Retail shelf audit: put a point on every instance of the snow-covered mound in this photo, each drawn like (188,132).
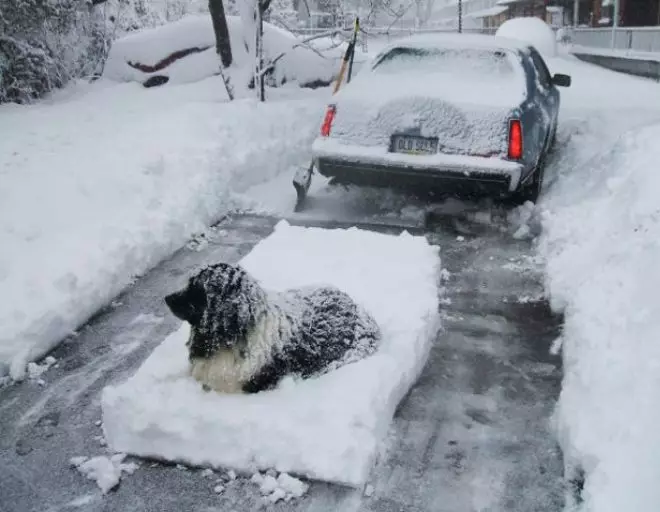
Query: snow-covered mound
(195,33)
(326,428)
(99,187)
(602,244)
(532,30)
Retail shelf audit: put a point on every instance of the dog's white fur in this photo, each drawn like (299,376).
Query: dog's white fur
(227,370)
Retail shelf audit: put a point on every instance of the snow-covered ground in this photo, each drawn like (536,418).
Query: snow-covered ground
(327,428)
(601,226)
(102,181)
(602,242)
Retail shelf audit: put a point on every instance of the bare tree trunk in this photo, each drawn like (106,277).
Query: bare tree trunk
(260,79)
(222,44)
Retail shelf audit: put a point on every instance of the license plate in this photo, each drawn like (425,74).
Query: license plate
(413,145)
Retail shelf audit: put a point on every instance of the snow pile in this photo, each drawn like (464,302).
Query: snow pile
(326,428)
(105,471)
(93,194)
(150,46)
(602,244)
(531,30)
(285,487)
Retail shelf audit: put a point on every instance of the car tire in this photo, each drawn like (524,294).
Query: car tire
(531,190)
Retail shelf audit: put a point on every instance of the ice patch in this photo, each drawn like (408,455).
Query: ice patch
(327,428)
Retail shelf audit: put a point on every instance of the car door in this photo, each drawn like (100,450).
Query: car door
(548,96)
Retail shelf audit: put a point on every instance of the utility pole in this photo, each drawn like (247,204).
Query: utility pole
(460,16)
(615,23)
(576,13)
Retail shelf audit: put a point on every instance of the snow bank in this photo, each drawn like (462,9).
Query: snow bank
(326,428)
(98,189)
(532,30)
(150,46)
(602,244)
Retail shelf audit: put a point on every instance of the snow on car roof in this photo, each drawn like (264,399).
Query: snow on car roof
(455,40)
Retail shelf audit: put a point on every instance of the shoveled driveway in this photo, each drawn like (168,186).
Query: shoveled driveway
(472,435)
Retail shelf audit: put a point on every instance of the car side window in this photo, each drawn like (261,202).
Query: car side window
(541,69)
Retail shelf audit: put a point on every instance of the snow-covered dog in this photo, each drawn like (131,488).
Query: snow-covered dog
(246,339)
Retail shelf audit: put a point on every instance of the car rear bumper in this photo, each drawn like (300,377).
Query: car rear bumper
(375,166)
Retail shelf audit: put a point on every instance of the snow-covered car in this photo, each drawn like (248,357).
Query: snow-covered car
(184,52)
(443,111)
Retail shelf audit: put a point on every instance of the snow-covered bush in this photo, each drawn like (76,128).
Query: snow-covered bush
(532,30)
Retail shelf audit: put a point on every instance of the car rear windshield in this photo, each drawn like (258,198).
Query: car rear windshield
(457,61)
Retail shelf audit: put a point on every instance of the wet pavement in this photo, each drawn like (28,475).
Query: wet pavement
(472,435)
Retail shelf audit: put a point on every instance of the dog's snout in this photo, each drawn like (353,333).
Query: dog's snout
(172,298)
(179,305)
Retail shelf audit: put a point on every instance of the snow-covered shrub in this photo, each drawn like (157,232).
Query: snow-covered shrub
(532,30)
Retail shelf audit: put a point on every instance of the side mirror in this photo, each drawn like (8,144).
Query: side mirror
(561,80)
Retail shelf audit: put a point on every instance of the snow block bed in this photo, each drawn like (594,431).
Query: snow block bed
(327,428)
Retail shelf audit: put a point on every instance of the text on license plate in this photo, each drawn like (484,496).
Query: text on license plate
(414,145)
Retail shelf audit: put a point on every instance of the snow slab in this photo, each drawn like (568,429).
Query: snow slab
(601,240)
(327,428)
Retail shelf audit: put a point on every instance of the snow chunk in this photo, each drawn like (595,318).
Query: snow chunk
(268,485)
(106,471)
(290,485)
(532,30)
(326,428)
(35,371)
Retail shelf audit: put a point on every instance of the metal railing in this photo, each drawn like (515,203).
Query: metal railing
(632,39)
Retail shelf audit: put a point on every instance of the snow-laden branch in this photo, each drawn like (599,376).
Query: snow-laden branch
(304,42)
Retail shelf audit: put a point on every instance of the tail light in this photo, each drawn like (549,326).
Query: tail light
(327,121)
(515,139)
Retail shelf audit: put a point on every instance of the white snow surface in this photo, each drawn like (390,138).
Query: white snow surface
(101,182)
(328,428)
(531,30)
(149,46)
(602,243)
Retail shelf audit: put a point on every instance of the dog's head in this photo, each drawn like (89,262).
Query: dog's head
(222,303)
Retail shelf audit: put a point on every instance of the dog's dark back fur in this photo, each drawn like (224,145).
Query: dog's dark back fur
(222,303)
(331,326)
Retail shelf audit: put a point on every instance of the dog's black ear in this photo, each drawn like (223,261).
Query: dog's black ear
(183,307)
